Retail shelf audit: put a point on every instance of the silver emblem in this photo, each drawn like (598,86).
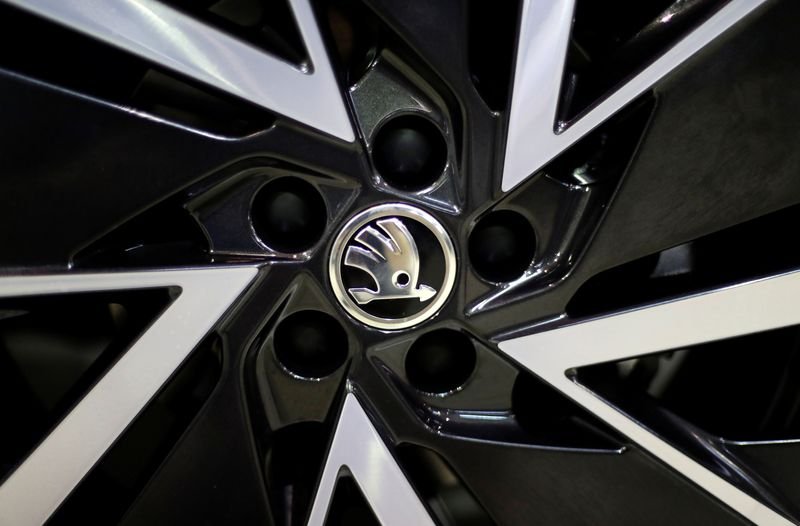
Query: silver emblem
(391,257)
(378,241)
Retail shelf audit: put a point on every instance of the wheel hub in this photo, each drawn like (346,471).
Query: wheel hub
(392,266)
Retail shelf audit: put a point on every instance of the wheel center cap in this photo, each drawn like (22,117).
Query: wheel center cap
(392,266)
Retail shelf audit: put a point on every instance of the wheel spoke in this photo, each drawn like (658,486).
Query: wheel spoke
(543,37)
(51,471)
(725,313)
(152,30)
(548,194)
(358,447)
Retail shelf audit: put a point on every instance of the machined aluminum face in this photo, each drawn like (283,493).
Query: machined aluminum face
(166,36)
(358,447)
(756,306)
(545,29)
(35,489)
(379,243)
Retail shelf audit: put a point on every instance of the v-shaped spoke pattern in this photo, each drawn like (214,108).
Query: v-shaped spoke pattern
(37,487)
(358,447)
(744,309)
(544,34)
(169,38)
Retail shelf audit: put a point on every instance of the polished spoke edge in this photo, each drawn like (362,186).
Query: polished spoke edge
(165,36)
(751,307)
(47,476)
(541,52)
(358,447)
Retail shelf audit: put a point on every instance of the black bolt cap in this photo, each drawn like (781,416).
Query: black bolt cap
(289,215)
(440,361)
(310,344)
(410,152)
(502,246)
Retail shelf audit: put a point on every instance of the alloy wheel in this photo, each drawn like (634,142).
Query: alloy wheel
(378,262)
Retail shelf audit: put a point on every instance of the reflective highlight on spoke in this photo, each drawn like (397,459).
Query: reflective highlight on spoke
(741,309)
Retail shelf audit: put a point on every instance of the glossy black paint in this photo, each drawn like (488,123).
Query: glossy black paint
(288,215)
(440,361)
(558,485)
(725,396)
(502,245)
(310,344)
(712,157)
(773,462)
(219,472)
(409,152)
(613,41)
(391,93)
(114,483)
(55,347)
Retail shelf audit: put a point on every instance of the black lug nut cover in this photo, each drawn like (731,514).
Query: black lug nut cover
(440,361)
(289,215)
(409,152)
(310,344)
(502,246)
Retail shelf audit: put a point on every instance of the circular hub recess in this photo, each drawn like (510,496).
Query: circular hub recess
(392,266)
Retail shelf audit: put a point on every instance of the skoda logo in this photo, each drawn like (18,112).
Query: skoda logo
(392,266)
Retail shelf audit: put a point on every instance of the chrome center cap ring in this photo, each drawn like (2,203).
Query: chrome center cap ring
(392,266)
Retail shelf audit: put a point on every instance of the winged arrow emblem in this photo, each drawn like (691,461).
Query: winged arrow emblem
(390,256)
